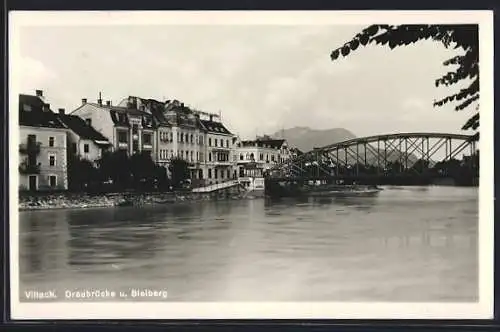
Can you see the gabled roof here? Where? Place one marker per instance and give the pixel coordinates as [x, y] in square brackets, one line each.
[271, 143]
[274, 143]
[215, 127]
[81, 128]
[31, 113]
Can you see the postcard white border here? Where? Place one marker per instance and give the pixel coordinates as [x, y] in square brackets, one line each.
[266, 310]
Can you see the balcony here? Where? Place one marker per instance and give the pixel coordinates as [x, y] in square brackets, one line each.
[27, 168]
[220, 149]
[29, 148]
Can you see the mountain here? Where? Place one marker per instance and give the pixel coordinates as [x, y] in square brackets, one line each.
[305, 138]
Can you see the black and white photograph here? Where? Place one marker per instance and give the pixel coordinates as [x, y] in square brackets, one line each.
[251, 164]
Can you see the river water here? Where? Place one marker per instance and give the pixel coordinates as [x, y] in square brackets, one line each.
[407, 244]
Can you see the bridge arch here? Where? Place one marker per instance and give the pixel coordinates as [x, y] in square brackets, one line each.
[379, 151]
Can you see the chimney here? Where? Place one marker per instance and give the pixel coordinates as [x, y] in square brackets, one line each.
[211, 117]
[61, 111]
[99, 101]
[84, 101]
[39, 93]
[108, 102]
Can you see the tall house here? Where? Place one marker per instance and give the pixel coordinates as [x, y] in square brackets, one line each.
[126, 127]
[218, 150]
[178, 132]
[194, 136]
[43, 147]
[83, 140]
[255, 157]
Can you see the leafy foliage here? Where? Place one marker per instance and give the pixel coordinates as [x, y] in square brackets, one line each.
[464, 36]
[115, 166]
[179, 170]
[81, 172]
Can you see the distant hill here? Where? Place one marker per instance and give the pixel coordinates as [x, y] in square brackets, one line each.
[305, 138]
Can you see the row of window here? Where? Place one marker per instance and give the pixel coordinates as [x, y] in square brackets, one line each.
[251, 156]
[193, 139]
[219, 173]
[220, 141]
[190, 156]
[147, 139]
[186, 155]
[51, 142]
[33, 181]
[74, 148]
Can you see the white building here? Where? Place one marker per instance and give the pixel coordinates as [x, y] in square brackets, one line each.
[43, 146]
[82, 139]
[126, 127]
[255, 157]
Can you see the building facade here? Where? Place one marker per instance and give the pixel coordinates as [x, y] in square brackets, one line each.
[197, 137]
[82, 139]
[125, 127]
[255, 157]
[218, 150]
[43, 146]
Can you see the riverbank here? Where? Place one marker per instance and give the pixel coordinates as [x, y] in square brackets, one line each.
[82, 200]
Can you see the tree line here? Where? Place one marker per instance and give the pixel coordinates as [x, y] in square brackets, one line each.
[118, 171]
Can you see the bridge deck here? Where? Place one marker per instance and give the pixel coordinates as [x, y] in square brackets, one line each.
[216, 187]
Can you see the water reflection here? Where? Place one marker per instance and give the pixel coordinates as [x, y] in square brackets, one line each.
[403, 245]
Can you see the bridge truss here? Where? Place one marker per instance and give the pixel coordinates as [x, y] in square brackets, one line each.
[405, 151]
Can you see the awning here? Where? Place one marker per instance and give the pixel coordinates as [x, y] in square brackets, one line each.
[102, 142]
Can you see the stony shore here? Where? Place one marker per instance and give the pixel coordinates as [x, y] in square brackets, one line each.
[80, 201]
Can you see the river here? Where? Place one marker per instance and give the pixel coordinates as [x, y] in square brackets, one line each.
[408, 244]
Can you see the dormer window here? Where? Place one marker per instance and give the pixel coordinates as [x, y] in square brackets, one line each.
[88, 122]
[26, 108]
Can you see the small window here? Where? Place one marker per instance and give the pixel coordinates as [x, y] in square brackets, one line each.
[209, 173]
[241, 156]
[227, 143]
[52, 181]
[52, 160]
[209, 142]
[122, 137]
[146, 139]
[215, 142]
[86, 148]
[88, 122]
[51, 141]
[135, 129]
[209, 156]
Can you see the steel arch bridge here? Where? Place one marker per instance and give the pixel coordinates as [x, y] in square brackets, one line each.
[376, 154]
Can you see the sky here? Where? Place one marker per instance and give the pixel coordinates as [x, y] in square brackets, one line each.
[261, 78]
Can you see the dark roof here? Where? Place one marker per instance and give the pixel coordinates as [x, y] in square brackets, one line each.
[36, 116]
[119, 117]
[215, 127]
[81, 128]
[272, 143]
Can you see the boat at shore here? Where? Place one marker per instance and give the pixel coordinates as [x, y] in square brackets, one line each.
[342, 191]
